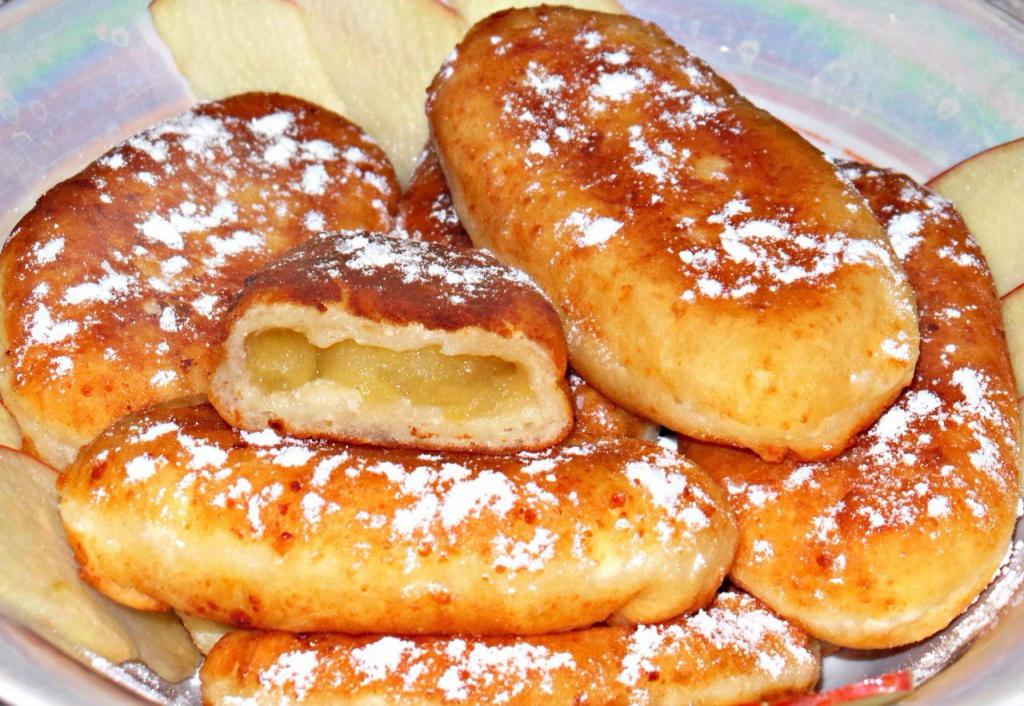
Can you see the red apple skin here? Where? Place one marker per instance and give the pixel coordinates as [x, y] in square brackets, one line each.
[871, 692]
[996, 148]
[965, 182]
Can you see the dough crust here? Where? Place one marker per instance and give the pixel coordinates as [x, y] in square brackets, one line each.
[888, 542]
[713, 271]
[734, 652]
[174, 508]
[426, 211]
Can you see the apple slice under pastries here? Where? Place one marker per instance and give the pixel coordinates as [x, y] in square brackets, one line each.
[713, 271]
[368, 338]
[988, 191]
[10, 432]
[370, 60]
[40, 587]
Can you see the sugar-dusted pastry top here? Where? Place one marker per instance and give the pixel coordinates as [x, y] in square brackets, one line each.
[174, 508]
[426, 211]
[888, 542]
[395, 342]
[115, 282]
[401, 281]
[735, 651]
[713, 271]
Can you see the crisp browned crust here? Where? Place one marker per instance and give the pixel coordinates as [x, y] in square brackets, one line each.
[713, 271]
[115, 283]
[736, 651]
[888, 542]
[426, 211]
[175, 508]
[401, 282]
[596, 415]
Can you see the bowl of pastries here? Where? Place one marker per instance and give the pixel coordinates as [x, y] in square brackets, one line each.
[467, 352]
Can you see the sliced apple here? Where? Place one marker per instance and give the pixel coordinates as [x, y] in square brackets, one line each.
[40, 587]
[370, 60]
[988, 190]
[380, 55]
[472, 11]
[205, 633]
[224, 47]
[10, 432]
[878, 691]
[1013, 318]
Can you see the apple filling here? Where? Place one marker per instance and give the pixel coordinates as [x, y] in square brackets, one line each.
[461, 386]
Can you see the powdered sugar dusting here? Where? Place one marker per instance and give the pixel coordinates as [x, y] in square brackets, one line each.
[453, 277]
[302, 488]
[735, 638]
[944, 455]
[763, 254]
[186, 208]
[378, 660]
[625, 121]
[588, 230]
[529, 556]
[736, 626]
[294, 670]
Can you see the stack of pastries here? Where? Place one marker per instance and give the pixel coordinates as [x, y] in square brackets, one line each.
[405, 449]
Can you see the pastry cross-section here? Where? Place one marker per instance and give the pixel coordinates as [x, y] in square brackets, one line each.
[368, 338]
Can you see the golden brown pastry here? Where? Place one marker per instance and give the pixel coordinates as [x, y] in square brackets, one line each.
[736, 651]
[174, 508]
[596, 415]
[368, 338]
[712, 270]
[890, 541]
[114, 284]
[426, 211]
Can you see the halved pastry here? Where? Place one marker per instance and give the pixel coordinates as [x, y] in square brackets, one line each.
[114, 285]
[712, 270]
[173, 508]
[735, 651]
[889, 541]
[368, 338]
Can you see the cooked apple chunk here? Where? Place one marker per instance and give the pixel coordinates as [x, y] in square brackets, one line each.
[461, 386]
[369, 338]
